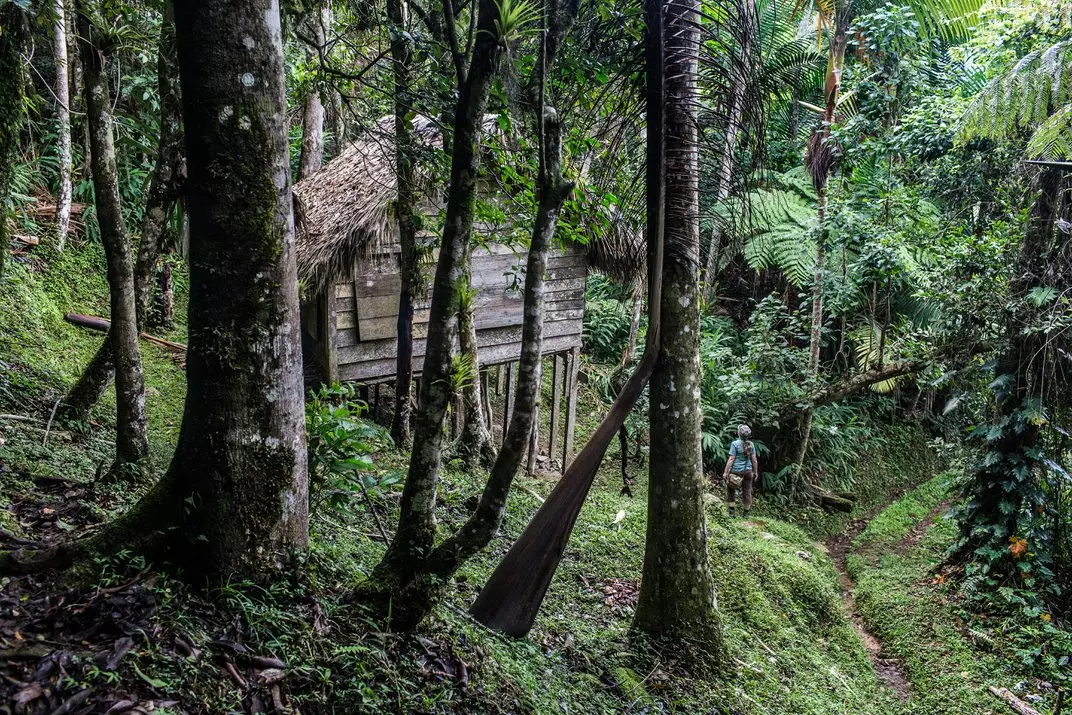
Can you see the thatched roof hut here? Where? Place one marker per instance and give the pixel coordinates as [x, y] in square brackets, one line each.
[344, 212]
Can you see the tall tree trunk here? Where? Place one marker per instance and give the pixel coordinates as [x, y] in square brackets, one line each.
[475, 444]
[405, 211]
[677, 596]
[312, 146]
[511, 598]
[13, 35]
[742, 81]
[481, 527]
[132, 442]
[415, 535]
[242, 447]
[234, 502]
[63, 123]
[164, 186]
[820, 160]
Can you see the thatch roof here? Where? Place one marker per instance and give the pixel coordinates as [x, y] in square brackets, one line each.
[343, 213]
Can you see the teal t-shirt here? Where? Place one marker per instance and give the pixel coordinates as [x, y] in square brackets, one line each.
[742, 462]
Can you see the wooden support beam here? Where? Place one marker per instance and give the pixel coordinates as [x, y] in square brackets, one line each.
[574, 366]
[499, 374]
[331, 354]
[534, 439]
[485, 398]
[508, 403]
[376, 402]
[556, 399]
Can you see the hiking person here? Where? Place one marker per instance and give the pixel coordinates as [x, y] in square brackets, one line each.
[741, 470]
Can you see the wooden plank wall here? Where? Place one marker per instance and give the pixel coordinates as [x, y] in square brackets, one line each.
[366, 312]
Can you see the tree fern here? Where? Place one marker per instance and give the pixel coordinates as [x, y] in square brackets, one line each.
[1033, 94]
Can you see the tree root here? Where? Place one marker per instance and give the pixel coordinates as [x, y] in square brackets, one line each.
[145, 529]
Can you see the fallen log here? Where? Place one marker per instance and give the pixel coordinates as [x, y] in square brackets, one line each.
[1013, 702]
[103, 324]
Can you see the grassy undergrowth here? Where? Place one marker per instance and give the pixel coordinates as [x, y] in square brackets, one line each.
[951, 653]
[791, 647]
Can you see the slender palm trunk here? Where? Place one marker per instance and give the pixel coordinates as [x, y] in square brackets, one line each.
[677, 595]
[132, 442]
[820, 159]
[63, 123]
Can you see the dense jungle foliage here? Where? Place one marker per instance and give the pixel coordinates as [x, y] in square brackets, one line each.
[844, 224]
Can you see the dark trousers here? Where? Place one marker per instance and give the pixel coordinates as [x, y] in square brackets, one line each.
[746, 489]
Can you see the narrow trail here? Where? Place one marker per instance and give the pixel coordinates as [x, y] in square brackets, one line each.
[889, 670]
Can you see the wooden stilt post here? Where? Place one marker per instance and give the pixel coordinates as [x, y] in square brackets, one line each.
[376, 402]
[485, 398]
[556, 399]
[508, 403]
[499, 374]
[417, 392]
[534, 439]
[571, 404]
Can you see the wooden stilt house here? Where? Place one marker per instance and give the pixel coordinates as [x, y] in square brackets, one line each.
[348, 265]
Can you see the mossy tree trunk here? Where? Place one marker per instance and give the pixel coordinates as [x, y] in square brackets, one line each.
[241, 453]
[165, 184]
[483, 524]
[164, 189]
[234, 502]
[475, 444]
[63, 122]
[132, 442]
[415, 535]
[13, 36]
[677, 596]
[406, 215]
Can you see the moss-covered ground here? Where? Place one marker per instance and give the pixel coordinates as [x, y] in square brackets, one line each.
[791, 646]
[950, 650]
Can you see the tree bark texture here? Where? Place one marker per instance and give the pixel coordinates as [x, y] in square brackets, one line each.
[677, 595]
[241, 458]
[63, 122]
[13, 36]
[406, 215]
[484, 523]
[312, 146]
[164, 186]
[415, 535]
[132, 441]
[476, 445]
